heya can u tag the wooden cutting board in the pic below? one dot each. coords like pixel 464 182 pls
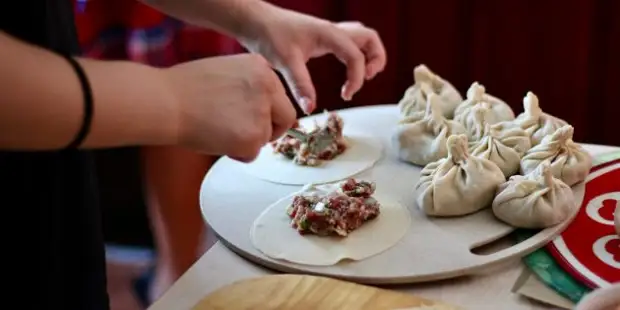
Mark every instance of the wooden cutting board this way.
pixel 290 291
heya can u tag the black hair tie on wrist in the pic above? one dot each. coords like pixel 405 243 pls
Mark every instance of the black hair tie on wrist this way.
pixel 88 103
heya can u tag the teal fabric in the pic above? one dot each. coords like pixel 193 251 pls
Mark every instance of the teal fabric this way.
pixel 548 271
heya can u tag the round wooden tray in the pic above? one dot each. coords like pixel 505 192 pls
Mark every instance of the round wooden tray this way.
pixel 432 249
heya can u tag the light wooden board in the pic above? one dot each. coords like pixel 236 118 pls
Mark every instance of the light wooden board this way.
pixel 432 249
pixel 308 292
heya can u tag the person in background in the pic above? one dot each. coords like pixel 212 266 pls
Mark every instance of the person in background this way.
pixel 131 30
pixel 54 107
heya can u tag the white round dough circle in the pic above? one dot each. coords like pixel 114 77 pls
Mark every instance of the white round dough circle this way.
pixel 273 235
pixel 594 206
pixel 362 153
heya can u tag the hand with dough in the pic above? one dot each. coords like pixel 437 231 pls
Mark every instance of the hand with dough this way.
pixel 536 200
pixel 459 184
pixel 288 40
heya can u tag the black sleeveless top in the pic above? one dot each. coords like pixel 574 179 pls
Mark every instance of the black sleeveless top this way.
pixel 51 235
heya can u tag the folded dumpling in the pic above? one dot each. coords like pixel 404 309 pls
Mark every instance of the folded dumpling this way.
pixel 513 137
pixel 535 122
pixel 477 128
pixel 569 161
pixel 415 98
pixel 424 140
pixel 498 110
pixel 426 82
pixel 459 184
pixel 536 200
pixel 413 117
pixel 504 147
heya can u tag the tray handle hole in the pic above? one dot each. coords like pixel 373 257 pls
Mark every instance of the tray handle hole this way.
pixel 493 246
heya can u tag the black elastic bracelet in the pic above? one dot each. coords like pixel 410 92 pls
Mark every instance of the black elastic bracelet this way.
pixel 88 103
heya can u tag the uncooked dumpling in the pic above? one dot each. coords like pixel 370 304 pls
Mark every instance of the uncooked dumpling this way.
pixel 425 83
pixel 478 127
pixel 414 99
pixel 535 122
pixel 569 161
pixel 504 148
pixel 424 140
pixel 413 117
pixel 513 137
pixel 476 96
pixel 536 200
pixel 459 184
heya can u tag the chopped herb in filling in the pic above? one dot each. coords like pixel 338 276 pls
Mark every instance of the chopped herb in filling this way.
pixel 337 213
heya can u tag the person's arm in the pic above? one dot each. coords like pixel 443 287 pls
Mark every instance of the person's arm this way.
pixel 288 39
pixel 41 101
pixel 236 18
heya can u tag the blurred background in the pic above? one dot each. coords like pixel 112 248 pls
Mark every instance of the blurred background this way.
pixel 566 52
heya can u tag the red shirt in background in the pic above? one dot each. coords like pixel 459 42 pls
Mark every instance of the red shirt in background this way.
pixel 126 29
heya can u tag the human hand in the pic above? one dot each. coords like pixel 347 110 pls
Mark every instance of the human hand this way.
pixel 231 105
pixel 289 39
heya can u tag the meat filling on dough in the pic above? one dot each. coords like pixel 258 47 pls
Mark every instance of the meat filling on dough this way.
pixel 337 213
pixel 302 154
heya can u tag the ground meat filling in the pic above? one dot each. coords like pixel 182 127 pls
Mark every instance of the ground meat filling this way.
pixel 302 154
pixel 337 213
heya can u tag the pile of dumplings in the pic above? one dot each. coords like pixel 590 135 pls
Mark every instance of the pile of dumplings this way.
pixel 477 154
